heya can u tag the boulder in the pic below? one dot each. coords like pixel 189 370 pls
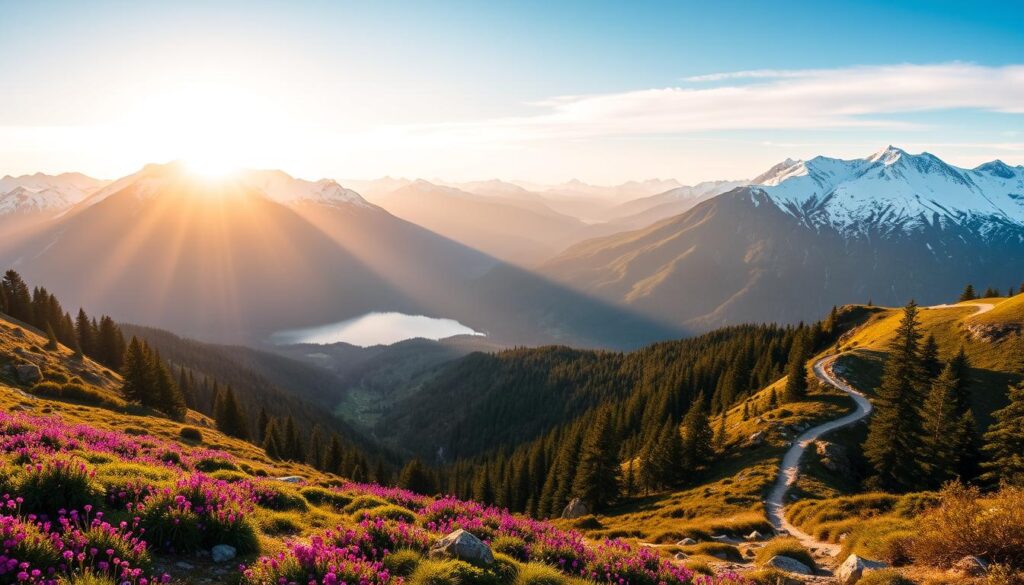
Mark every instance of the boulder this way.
pixel 789 565
pixel 222 553
pixel 681 556
pixel 969 566
pixel 291 479
pixel 724 538
pixel 575 509
pixel 463 546
pixel 28 373
pixel 854 567
pixel 686 542
pixel 834 458
pixel 755 535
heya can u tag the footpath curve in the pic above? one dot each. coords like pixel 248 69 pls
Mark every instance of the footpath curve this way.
pixel 789 470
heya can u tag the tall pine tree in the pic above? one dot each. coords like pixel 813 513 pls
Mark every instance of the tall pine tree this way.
pixel 598 471
pixel 1004 442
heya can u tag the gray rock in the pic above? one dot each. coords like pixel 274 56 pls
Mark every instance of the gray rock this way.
pixel 789 565
pixel 834 458
pixel 28 373
pixel 291 479
pixel 686 542
pixel 969 566
pixel 854 567
pixel 755 535
pixel 575 509
pixel 464 546
pixel 724 538
pixel 222 553
pixel 681 556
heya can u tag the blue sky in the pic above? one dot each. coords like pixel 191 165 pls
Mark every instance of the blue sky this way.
pixel 467 90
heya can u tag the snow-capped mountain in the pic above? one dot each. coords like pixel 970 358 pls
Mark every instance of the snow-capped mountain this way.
pixel 894 190
pixel 44 194
pixel 889 227
pixel 284 188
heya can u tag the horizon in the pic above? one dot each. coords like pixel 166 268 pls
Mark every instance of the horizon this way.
pixel 600 93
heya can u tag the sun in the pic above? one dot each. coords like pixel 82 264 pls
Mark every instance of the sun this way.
pixel 211 167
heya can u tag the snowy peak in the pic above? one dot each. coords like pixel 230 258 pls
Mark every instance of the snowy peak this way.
pixel 41 193
pixel 284 188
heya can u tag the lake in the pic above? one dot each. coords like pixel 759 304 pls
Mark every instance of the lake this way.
pixel 375 329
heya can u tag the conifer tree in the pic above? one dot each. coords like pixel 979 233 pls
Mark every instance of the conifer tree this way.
pixel 137 374
pixel 930 361
pixel 51 339
pixel 18 297
pixel 261 422
pixel 272 440
pixel 166 395
pixel 598 470
pixel 697 437
pixel 968 294
pixel 796 371
pixel 314 454
pixel 1004 442
pixel 892 444
pixel 293 441
pixel 84 333
pixel 230 417
pixel 720 433
pixel 483 488
pixel 943 439
pixel 416 477
pixel 334 455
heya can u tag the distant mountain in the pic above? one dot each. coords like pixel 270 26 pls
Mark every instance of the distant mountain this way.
pixel 508 224
pixel 238 259
pixel 811 234
pixel 41 193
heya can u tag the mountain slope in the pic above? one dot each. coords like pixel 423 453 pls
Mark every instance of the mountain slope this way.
pixel 825 232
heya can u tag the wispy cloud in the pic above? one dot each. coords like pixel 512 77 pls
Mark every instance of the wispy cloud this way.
pixel 852 97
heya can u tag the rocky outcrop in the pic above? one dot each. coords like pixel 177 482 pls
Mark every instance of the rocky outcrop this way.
pixel 834 458
pixel 575 509
pixel 854 567
pixel 463 546
pixel 789 565
pixel 28 373
pixel 992 332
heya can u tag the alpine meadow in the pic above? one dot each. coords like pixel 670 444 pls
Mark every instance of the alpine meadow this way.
pixel 511 293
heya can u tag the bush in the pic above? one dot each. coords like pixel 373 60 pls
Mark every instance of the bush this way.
pixel 450 572
pixel 699 567
pixel 402 562
pixel 279 496
pixel 319 496
pixel 229 476
pixel 786 547
pixel 963 524
pixel 61 483
pixel 884 577
pixel 363 502
pixel 770 577
pixel 281 523
pixel 89 578
pixel 717 549
pixel 539 574
pixel 46 388
pixel 209 464
pixel 512 546
pixel 191 434
pixel 389 512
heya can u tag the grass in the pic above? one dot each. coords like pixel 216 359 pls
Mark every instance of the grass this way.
pixel 785 547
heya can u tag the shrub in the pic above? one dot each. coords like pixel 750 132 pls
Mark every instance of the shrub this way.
pixel 191 434
pixel 86 394
pixel 88 578
pixel 209 464
pixel 319 496
pixel 363 502
pixel 963 524
pixel 46 388
pixel 717 549
pixel 390 512
pixel 402 562
pixel 539 574
pixel 278 496
pixel 281 523
pixel 884 577
pixel 769 577
pixel 450 572
pixel 229 476
pixel 699 567
pixel 60 483
pixel 786 547
pixel 512 546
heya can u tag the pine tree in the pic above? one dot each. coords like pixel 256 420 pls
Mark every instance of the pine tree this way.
pixel 720 433
pixel 1004 442
pixel 167 395
pixel 943 433
pixel 930 357
pixel 334 456
pixel 18 297
pixel 598 471
pixel 991 293
pixel 83 331
pixel 892 444
pixel 314 454
pixel 483 488
pixel 261 423
pixel 417 478
pixel 137 374
pixel 230 417
pixel 796 371
pixel 968 294
pixel 272 440
pixel 697 437
pixel 293 440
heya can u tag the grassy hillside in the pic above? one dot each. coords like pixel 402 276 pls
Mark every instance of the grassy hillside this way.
pixel 98 492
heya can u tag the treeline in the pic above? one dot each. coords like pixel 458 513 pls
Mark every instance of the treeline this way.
pixel 101 340
pixel 630 423
pixel 924 432
pixel 970 294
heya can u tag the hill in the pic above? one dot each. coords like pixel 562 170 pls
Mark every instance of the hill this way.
pixel 99 492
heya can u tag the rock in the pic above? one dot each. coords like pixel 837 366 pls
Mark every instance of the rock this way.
pixel 969 567
pixel 756 439
pixel 222 553
pixel 686 542
pixel 991 333
pixel 834 458
pixel 575 509
pixel 725 538
pixel 854 567
pixel 464 546
pixel 755 535
pixel 290 479
pixel 789 565
pixel 28 373
pixel 681 556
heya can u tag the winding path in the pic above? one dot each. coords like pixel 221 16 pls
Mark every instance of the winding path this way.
pixel 789 470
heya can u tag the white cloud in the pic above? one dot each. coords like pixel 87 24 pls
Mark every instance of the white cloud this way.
pixel 852 97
